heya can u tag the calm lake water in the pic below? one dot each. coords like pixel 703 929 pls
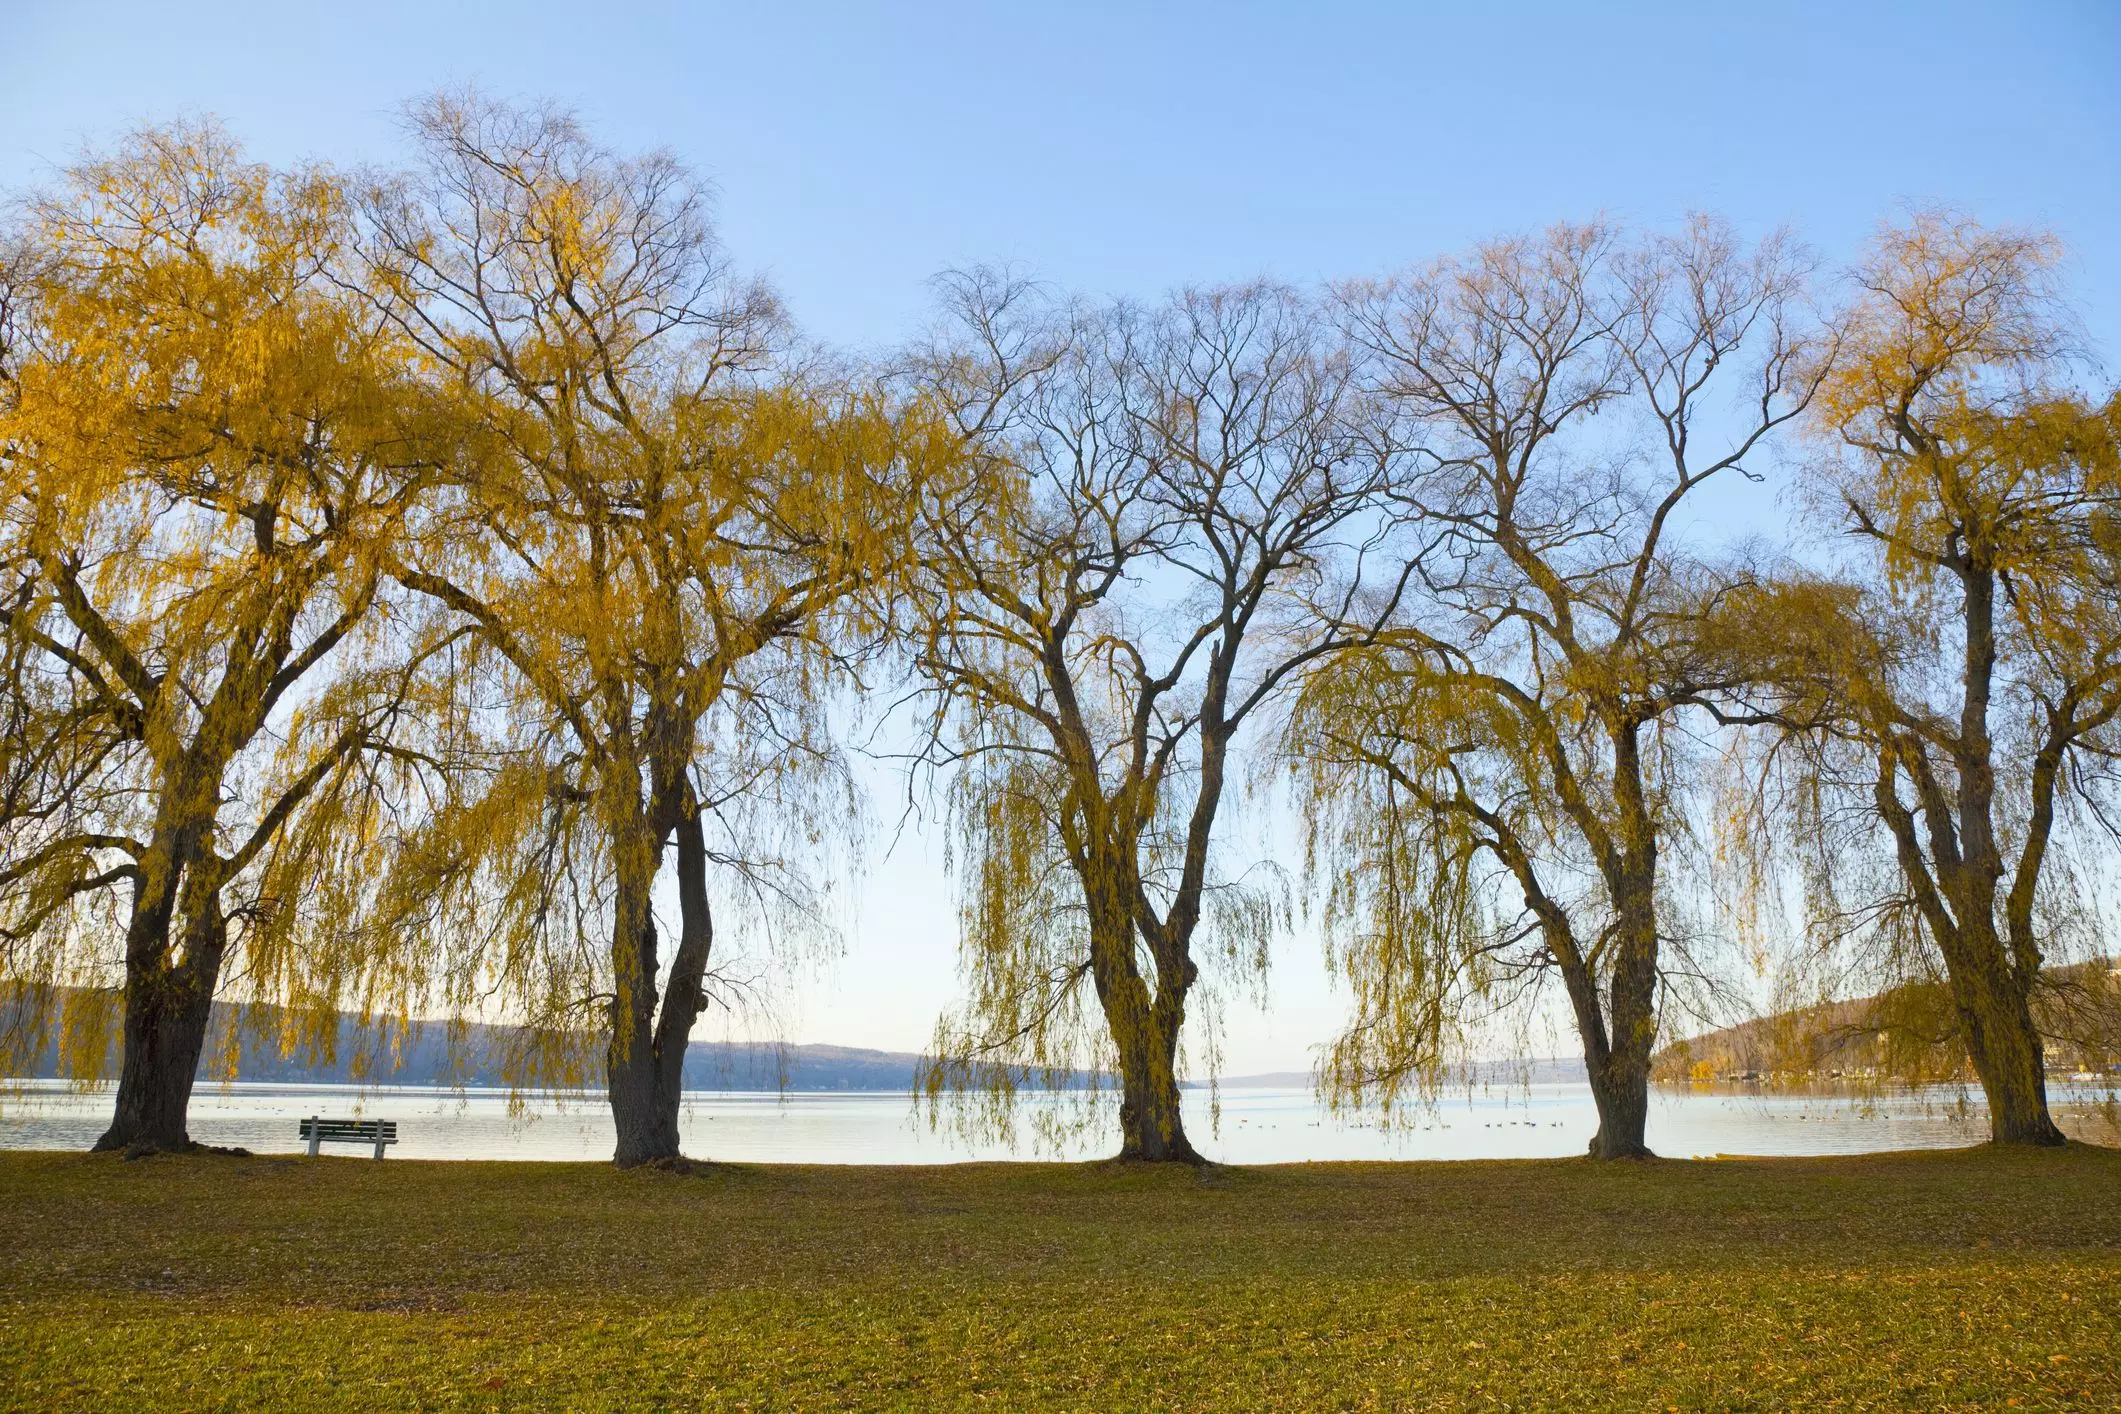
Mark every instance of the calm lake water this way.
pixel 1257 1126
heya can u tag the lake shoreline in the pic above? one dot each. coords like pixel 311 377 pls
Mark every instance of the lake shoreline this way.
pixel 1237 1127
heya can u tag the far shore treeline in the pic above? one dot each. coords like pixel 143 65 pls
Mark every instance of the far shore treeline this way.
pixel 244 1044
pixel 453 592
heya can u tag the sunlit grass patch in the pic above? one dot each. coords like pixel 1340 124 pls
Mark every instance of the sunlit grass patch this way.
pixel 1902 1281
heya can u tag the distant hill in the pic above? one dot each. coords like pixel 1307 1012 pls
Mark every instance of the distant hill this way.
pixel 480 1055
pixel 1908 1032
pixel 733 1065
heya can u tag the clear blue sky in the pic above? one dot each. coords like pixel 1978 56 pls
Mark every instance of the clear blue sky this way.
pixel 859 148
pixel 1128 148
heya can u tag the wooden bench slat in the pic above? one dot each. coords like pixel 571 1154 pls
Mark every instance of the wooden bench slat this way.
pixel 361 1127
pixel 344 1129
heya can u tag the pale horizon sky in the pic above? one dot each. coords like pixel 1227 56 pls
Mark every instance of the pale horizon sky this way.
pixel 858 150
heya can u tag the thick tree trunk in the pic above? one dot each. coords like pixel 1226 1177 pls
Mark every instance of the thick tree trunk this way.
pixel 1152 1128
pixel 1144 1029
pixel 1989 990
pixel 1619 1074
pixel 2010 1060
pixel 166 1013
pixel 1616 1052
pixel 644 1107
pixel 1621 1090
pixel 2014 1078
pixel 645 1120
pixel 1989 995
pixel 1622 1086
pixel 643 1081
pixel 646 1077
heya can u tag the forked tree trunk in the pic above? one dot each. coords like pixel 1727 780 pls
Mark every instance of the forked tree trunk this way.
pixel 1144 1030
pixel 646 1127
pixel 1990 988
pixel 646 1059
pixel 1621 1085
pixel 167 1008
pixel 644 1105
pixel 1991 995
pixel 1618 1030
pixel 2012 1067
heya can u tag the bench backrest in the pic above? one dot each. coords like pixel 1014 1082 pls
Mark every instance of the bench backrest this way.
pixel 366 1130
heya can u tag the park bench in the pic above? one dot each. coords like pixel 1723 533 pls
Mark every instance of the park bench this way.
pixel 349 1131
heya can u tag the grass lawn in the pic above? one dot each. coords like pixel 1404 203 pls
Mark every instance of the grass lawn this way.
pixel 1967 1279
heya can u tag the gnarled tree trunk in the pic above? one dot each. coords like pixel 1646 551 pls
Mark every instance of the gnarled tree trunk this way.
pixel 1616 1055
pixel 1616 1060
pixel 1619 1031
pixel 1621 1091
pixel 1622 1085
pixel 645 1078
pixel 1956 882
pixel 1144 1025
pixel 646 1128
pixel 2012 1063
pixel 1152 1129
pixel 1993 1004
pixel 644 1106
pixel 167 1007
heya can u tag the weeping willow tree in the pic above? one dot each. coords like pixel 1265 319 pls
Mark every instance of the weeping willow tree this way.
pixel 1496 786
pixel 1169 497
pixel 668 545
pixel 1946 712
pixel 208 451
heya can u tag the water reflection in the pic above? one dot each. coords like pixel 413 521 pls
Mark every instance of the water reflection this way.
pixel 1256 1126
